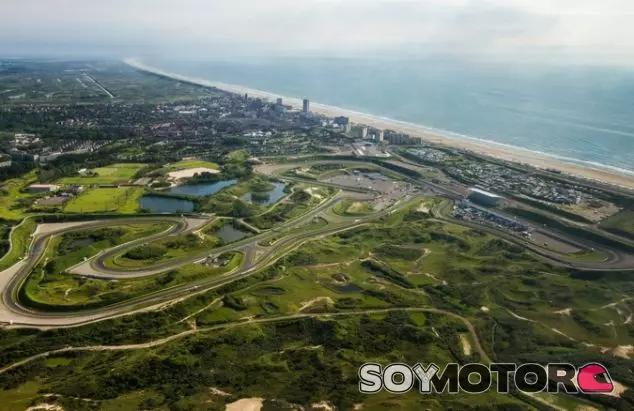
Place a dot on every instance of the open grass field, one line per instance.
(112, 174)
(185, 164)
(11, 196)
(164, 250)
(20, 397)
(50, 287)
(21, 239)
(49, 284)
(351, 208)
(519, 305)
(321, 353)
(100, 200)
(621, 224)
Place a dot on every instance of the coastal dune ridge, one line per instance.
(580, 168)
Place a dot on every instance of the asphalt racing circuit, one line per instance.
(279, 242)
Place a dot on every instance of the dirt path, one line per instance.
(308, 304)
(165, 340)
(466, 345)
(477, 345)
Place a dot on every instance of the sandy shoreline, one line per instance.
(492, 149)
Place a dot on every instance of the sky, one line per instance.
(588, 30)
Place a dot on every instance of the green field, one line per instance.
(21, 240)
(11, 197)
(112, 174)
(161, 251)
(54, 290)
(621, 224)
(101, 200)
(185, 164)
(406, 259)
(351, 208)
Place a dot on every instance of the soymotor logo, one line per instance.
(478, 378)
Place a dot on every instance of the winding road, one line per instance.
(289, 236)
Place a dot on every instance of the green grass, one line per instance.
(63, 292)
(185, 164)
(621, 224)
(169, 249)
(471, 269)
(100, 200)
(351, 208)
(82, 244)
(112, 174)
(20, 398)
(238, 156)
(11, 196)
(57, 362)
(21, 239)
(320, 353)
(594, 256)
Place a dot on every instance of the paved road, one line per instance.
(616, 260)
(10, 280)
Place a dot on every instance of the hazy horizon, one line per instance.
(500, 30)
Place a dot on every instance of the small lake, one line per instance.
(347, 288)
(228, 233)
(202, 189)
(273, 196)
(157, 204)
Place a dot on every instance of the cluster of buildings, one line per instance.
(53, 194)
(480, 196)
(465, 210)
(30, 148)
(429, 154)
(508, 180)
(369, 149)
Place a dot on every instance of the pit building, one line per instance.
(480, 196)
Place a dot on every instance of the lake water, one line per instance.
(202, 189)
(228, 233)
(274, 195)
(157, 204)
(581, 113)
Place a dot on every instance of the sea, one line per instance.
(581, 114)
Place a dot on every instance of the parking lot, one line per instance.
(391, 190)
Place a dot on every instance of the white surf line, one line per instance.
(430, 134)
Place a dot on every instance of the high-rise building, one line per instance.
(306, 106)
(380, 136)
(342, 121)
(279, 106)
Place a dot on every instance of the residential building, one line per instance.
(42, 188)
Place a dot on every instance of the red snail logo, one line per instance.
(594, 378)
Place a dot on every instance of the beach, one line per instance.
(492, 149)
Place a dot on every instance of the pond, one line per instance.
(228, 233)
(269, 291)
(347, 288)
(202, 189)
(158, 204)
(78, 243)
(272, 196)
